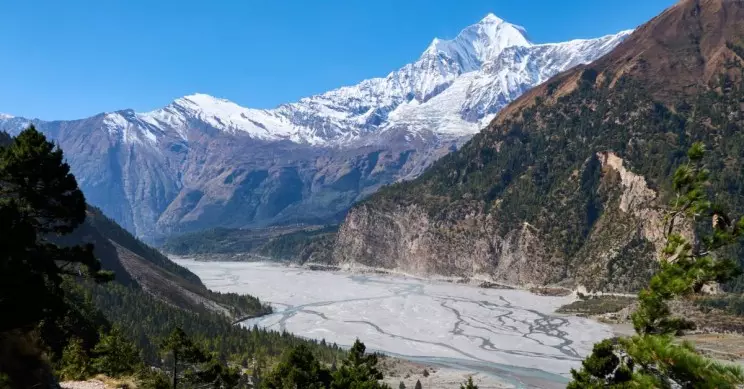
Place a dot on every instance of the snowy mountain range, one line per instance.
(203, 161)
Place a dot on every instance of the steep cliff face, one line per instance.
(409, 240)
(568, 183)
(468, 242)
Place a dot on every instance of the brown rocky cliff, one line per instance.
(408, 240)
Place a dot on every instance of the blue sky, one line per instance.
(72, 59)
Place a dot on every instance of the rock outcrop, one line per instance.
(468, 243)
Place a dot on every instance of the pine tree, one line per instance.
(358, 370)
(297, 368)
(183, 351)
(75, 364)
(652, 358)
(418, 385)
(401, 385)
(39, 201)
(469, 384)
(194, 367)
(114, 355)
(259, 364)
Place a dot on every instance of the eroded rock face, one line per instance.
(642, 202)
(618, 254)
(408, 240)
(637, 199)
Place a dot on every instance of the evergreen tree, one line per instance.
(297, 368)
(183, 352)
(469, 384)
(114, 355)
(75, 364)
(259, 365)
(39, 201)
(651, 358)
(358, 370)
(418, 385)
(401, 385)
(194, 367)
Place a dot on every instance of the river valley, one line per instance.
(510, 334)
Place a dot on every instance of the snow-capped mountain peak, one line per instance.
(452, 90)
(491, 18)
(221, 114)
(479, 42)
(6, 116)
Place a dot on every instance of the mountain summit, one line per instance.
(203, 161)
(479, 43)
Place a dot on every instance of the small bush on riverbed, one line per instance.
(733, 304)
(597, 305)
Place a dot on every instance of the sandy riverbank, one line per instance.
(397, 370)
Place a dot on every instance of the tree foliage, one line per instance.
(195, 367)
(652, 358)
(114, 355)
(39, 199)
(358, 370)
(40, 202)
(299, 368)
(75, 363)
(469, 384)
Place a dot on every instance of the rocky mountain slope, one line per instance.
(141, 267)
(565, 184)
(203, 162)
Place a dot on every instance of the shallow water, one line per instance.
(511, 334)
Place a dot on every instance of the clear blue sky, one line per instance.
(72, 59)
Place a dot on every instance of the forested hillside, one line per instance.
(564, 186)
(142, 267)
(290, 243)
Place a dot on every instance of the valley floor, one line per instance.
(456, 329)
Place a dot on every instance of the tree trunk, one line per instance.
(175, 369)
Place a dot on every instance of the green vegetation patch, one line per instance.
(597, 305)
